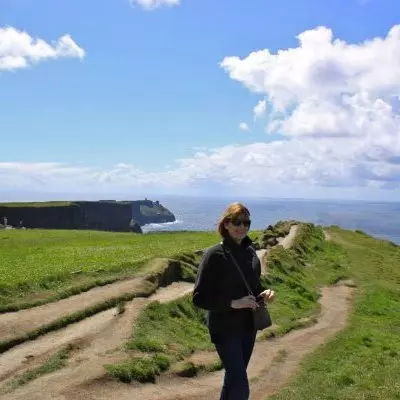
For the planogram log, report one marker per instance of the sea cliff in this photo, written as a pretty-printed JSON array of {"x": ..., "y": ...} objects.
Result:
[{"x": 109, "y": 215}]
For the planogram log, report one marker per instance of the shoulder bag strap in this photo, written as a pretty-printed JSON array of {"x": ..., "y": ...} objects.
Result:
[{"x": 238, "y": 268}]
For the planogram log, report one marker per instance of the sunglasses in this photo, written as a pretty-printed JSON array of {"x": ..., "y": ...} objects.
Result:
[{"x": 238, "y": 222}]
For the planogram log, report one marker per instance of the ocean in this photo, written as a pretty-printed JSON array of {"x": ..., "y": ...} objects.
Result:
[{"x": 379, "y": 219}]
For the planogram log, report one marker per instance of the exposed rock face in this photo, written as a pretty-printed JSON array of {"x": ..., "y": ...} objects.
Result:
[
  {"x": 135, "y": 227},
  {"x": 269, "y": 238},
  {"x": 98, "y": 215}
]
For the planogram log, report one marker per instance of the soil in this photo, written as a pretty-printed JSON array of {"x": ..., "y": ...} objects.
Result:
[
  {"x": 99, "y": 340},
  {"x": 14, "y": 324}
]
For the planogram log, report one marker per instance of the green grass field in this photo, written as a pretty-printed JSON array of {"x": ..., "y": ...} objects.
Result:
[
  {"x": 362, "y": 362},
  {"x": 33, "y": 261},
  {"x": 38, "y": 204}
]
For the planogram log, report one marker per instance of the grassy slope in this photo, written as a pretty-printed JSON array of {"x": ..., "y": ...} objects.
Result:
[
  {"x": 38, "y": 204},
  {"x": 34, "y": 261},
  {"x": 176, "y": 329},
  {"x": 363, "y": 362}
]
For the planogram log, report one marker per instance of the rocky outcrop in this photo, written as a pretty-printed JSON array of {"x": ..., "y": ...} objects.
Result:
[
  {"x": 109, "y": 215},
  {"x": 134, "y": 227},
  {"x": 269, "y": 237}
]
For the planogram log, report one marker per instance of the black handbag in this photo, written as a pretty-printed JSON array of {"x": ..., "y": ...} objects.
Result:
[{"x": 261, "y": 316}]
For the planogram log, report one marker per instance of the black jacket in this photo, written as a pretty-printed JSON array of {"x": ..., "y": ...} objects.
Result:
[{"x": 218, "y": 282}]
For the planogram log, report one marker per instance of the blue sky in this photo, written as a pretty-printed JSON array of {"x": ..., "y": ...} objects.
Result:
[{"x": 148, "y": 88}]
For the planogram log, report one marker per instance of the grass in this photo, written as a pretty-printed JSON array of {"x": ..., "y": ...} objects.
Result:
[
  {"x": 162, "y": 272},
  {"x": 177, "y": 329},
  {"x": 70, "y": 319},
  {"x": 281, "y": 356},
  {"x": 139, "y": 369},
  {"x": 280, "y": 229},
  {"x": 172, "y": 331},
  {"x": 159, "y": 272},
  {"x": 54, "y": 363},
  {"x": 37, "y": 266},
  {"x": 363, "y": 361},
  {"x": 38, "y": 204},
  {"x": 296, "y": 274}
]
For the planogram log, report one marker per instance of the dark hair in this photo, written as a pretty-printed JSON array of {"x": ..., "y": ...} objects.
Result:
[{"x": 234, "y": 210}]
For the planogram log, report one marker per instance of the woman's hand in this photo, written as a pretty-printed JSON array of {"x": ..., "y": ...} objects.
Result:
[
  {"x": 245, "y": 302},
  {"x": 268, "y": 295}
]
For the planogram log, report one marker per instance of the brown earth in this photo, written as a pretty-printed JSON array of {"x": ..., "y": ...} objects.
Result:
[
  {"x": 14, "y": 324},
  {"x": 98, "y": 340},
  {"x": 273, "y": 363},
  {"x": 327, "y": 235}
]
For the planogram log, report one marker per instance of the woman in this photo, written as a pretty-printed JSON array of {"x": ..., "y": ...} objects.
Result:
[{"x": 220, "y": 290}]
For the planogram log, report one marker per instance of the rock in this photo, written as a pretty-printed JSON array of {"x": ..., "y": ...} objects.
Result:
[
  {"x": 272, "y": 241},
  {"x": 268, "y": 238},
  {"x": 134, "y": 227}
]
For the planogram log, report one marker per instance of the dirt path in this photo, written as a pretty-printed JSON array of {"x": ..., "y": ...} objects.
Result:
[
  {"x": 86, "y": 379},
  {"x": 335, "y": 304},
  {"x": 93, "y": 337},
  {"x": 15, "y": 324},
  {"x": 261, "y": 255},
  {"x": 95, "y": 340},
  {"x": 327, "y": 235},
  {"x": 287, "y": 241}
]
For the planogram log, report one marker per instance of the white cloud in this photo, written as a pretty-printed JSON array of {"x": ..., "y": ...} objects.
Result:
[
  {"x": 260, "y": 109},
  {"x": 328, "y": 162},
  {"x": 326, "y": 92},
  {"x": 244, "y": 126},
  {"x": 321, "y": 67},
  {"x": 336, "y": 105},
  {"x": 153, "y": 4},
  {"x": 19, "y": 50}
]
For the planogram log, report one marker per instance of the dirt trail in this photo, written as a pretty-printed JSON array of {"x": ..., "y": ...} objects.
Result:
[
  {"x": 86, "y": 379},
  {"x": 97, "y": 341},
  {"x": 171, "y": 292},
  {"x": 287, "y": 241},
  {"x": 327, "y": 235},
  {"x": 93, "y": 337},
  {"x": 335, "y": 304},
  {"x": 15, "y": 324}
]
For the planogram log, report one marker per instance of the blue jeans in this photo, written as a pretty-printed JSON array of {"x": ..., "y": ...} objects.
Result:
[{"x": 234, "y": 350}]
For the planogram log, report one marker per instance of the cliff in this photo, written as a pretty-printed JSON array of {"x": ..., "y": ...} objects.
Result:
[{"x": 109, "y": 215}]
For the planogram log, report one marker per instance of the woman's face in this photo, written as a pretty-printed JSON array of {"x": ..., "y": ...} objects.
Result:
[{"x": 238, "y": 227}]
